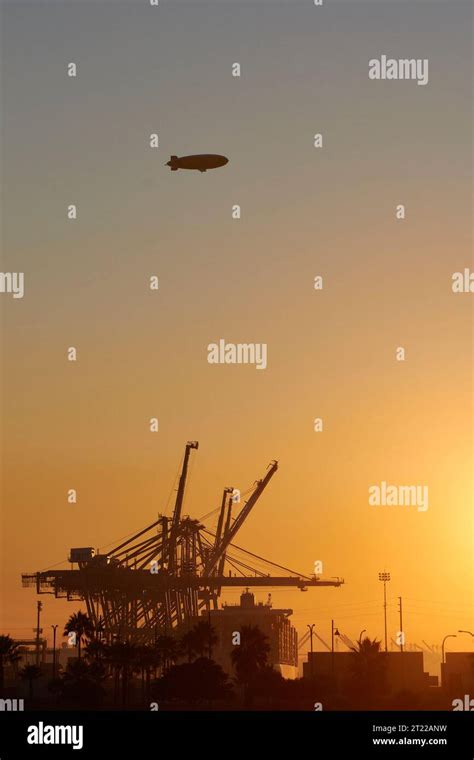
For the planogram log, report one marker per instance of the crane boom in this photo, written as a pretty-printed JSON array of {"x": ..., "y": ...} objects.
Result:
[
  {"x": 221, "y": 515},
  {"x": 231, "y": 531},
  {"x": 179, "y": 504}
]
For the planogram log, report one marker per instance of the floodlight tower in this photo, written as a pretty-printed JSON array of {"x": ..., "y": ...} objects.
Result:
[{"x": 385, "y": 577}]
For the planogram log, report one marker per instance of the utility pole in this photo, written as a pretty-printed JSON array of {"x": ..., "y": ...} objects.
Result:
[
  {"x": 39, "y": 607},
  {"x": 402, "y": 643},
  {"x": 385, "y": 577},
  {"x": 210, "y": 631},
  {"x": 54, "y": 650},
  {"x": 311, "y": 628},
  {"x": 332, "y": 648},
  {"x": 334, "y": 632},
  {"x": 402, "y": 635}
]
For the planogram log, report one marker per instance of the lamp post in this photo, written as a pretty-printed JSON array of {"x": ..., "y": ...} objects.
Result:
[
  {"x": 449, "y": 636},
  {"x": 210, "y": 632},
  {"x": 402, "y": 633},
  {"x": 39, "y": 607},
  {"x": 385, "y": 577},
  {"x": 54, "y": 650},
  {"x": 334, "y": 632},
  {"x": 311, "y": 628}
]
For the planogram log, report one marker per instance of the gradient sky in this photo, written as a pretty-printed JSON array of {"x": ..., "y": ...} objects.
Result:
[{"x": 305, "y": 212}]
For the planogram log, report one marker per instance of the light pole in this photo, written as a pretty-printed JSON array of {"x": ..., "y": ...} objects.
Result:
[
  {"x": 449, "y": 636},
  {"x": 385, "y": 577},
  {"x": 210, "y": 631},
  {"x": 334, "y": 632},
  {"x": 311, "y": 628},
  {"x": 54, "y": 650},
  {"x": 402, "y": 633},
  {"x": 39, "y": 607}
]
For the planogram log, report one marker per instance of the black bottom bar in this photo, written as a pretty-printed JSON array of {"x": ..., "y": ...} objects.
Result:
[{"x": 143, "y": 734}]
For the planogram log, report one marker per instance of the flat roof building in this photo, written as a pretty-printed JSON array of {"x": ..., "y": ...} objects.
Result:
[
  {"x": 402, "y": 670},
  {"x": 457, "y": 673}
]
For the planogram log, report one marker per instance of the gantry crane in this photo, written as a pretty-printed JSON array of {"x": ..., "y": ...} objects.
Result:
[{"x": 167, "y": 573}]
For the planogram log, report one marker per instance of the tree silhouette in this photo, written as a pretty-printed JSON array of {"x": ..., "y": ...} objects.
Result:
[
  {"x": 122, "y": 656},
  {"x": 199, "y": 640},
  {"x": 268, "y": 685},
  {"x": 168, "y": 651},
  {"x": 8, "y": 653},
  {"x": 30, "y": 673},
  {"x": 81, "y": 684},
  {"x": 94, "y": 650},
  {"x": 368, "y": 667},
  {"x": 55, "y": 687},
  {"x": 250, "y": 656},
  {"x": 80, "y": 624},
  {"x": 147, "y": 660},
  {"x": 202, "y": 679},
  {"x": 99, "y": 629}
]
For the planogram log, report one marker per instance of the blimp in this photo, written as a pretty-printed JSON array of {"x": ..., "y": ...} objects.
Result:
[{"x": 200, "y": 162}]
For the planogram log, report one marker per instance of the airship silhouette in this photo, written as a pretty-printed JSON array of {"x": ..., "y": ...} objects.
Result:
[{"x": 201, "y": 162}]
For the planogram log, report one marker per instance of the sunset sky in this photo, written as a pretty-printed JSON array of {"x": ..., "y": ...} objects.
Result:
[{"x": 306, "y": 211}]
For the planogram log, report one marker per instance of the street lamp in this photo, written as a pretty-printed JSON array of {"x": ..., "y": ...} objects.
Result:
[
  {"x": 39, "y": 607},
  {"x": 385, "y": 577},
  {"x": 334, "y": 632},
  {"x": 54, "y": 650},
  {"x": 311, "y": 628},
  {"x": 449, "y": 636}
]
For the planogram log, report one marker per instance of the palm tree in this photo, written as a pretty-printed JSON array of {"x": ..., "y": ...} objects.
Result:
[
  {"x": 80, "y": 684},
  {"x": 94, "y": 653},
  {"x": 99, "y": 629},
  {"x": 268, "y": 685},
  {"x": 368, "y": 666},
  {"x": 8, "y": 653},
  {"x": 80, "y": 624},
  {"x": 30, "y": 673},
  {"x": 199, "y": 640},
  {"x": 250, "y": 656},
  {"x": 202, "y": 679},
  {"x": 94, "y": 650},
  {"x": 122, "y": 656},
  {"x": 168, "y": 650}
]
